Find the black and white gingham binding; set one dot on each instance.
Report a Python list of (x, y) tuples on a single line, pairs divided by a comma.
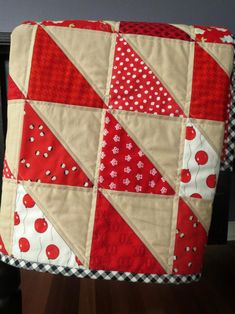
[(230, 147), (82, 272)]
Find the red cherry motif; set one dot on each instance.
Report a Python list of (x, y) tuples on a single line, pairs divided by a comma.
[(196, 195), (185, 175), (28, 201), (52, 251), (40, 225), (211, 181), (190, 133), (201, 157), (24, 245), (16, 219)]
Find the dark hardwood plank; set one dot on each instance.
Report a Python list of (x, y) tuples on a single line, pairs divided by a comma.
[(47, 294)]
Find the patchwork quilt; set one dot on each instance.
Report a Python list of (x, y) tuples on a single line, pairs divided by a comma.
[(116, 135)]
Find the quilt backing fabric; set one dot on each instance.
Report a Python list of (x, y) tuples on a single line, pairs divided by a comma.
[(116, 135)]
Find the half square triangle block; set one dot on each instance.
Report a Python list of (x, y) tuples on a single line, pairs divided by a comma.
[(115, 135)]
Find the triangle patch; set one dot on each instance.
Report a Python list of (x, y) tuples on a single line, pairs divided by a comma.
[(213, 132), (190, 242), (80, 46), (35, 238), (210, 88), (70, 123), (68, 216), (115, 246), (13, 90), (169, 63), (124, 167), (166, 139), (2, 247), (153, 225), (7, 171), (222, 54), (54, 78), (138, 90), (43, 158)]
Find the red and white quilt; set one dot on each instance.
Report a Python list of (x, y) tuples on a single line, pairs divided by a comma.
[(116, 133)]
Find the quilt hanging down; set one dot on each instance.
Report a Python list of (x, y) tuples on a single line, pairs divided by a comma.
[(116, 135)]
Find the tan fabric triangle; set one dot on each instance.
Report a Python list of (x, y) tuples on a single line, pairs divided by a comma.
[(213, 132), (152, 225), (159, 138), (186, 28), (169, 62), (20, 55), (70, 123), (68, 209), (13, 139), (221, 53), (88, 50), (202, 209)]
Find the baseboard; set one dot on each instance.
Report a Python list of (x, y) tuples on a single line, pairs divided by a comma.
[(231, 230)]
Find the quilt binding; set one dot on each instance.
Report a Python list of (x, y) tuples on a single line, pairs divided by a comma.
[(228, 163), (82, 272)]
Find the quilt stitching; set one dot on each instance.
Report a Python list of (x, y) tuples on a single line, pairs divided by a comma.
[(132, 233)]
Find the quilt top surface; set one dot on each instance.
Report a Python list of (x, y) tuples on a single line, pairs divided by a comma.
[(116, 131)]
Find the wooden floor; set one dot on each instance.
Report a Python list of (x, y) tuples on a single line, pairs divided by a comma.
[(48, 294)]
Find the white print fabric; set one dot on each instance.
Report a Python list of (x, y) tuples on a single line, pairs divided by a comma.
[(200, 165), (34, 238)]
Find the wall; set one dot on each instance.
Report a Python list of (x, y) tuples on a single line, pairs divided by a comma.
[(208, 12)]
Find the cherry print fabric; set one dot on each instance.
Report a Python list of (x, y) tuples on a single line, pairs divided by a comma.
[(145, 210), (200, 167), (35, 238)]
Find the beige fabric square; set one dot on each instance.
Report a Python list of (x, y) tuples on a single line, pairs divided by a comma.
[(77, 128), (169, 60), (22, 41), (7, 212), (68, 209), (149, 215), (159, 137), (88, 50), (15, 113)]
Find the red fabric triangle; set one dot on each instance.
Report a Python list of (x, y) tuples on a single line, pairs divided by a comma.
[(2, 247), (44, 158), (13, 91), (7, 171), (190, 242), (115, 246), (210, 89), (134, 86), (124, 166), (54, 78)]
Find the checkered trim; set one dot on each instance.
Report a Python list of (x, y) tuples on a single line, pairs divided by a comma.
[(82, 272), (230, 148)]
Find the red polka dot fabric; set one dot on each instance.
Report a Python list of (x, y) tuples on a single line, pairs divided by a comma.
[(135, 87), (113, 149)]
